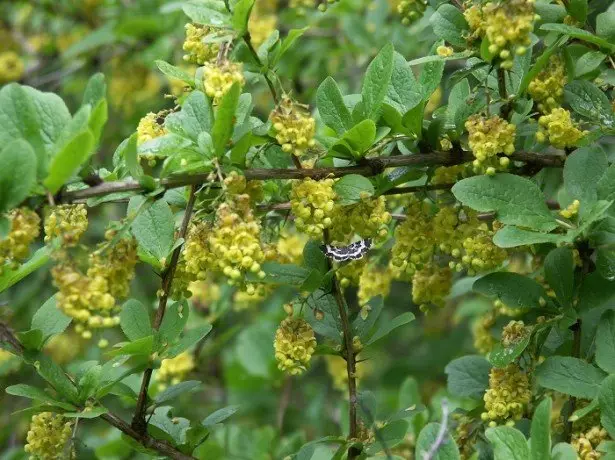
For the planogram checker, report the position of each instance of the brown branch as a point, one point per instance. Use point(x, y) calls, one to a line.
point(368, 167)
point(138, 421)
point(351, 364)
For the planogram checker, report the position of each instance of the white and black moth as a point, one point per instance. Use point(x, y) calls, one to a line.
point(353, 251)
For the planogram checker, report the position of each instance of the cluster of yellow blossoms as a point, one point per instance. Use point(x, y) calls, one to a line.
point(11, 67)
point(373, 282)
point(261, 24)
point(559, 129)
point(312, 203)
point(513, 332)
point(508, 395)
point(489, 136)
point(431, 285)
point(481, 332)
point(336, 367)
point(477, 253)
point(294, 127)
point(506, 24)
point(150, 128)
point(232, 246)
point(586, 443)
point(547, 88)
point(294, 345)
point(48, 436)
point(130, 85)
point(174, 370)
point(67, 222)
point(368, 218)
point(90, 298)
point(218, 77)
point(288, 248)
point(198, 51)
point(16, 246)
point(411, 10)
point(571, 210)
point(350, 273)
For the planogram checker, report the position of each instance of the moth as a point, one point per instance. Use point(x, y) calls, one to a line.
point(353, 251)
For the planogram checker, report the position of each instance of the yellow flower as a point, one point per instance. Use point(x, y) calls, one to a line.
point(48, 436)
point(508, 395)
point(16, 246)
point(430, 286)
point(513, 332)
point(368, 218)
point(261, 26)
point(312, 203)
point(489, 136)
point(481, 332)
point(67, 222)
point(150, 127)
point(11, 66)
point(198, 51)
point(572, 210)
point(219, 77)
point(372, 283)
point(444, 51)
point(294, 345)
point(547, 88)
point(294, 127)
point(174, 370)
point(559, 129)
point(586, 443)
point(336, 366)
point(411, 10)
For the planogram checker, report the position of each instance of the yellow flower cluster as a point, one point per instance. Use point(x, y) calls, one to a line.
point(444, 51)
point(478, 253)
point(547, 88)
point(261, 25)
point(288, 249)
point(513, 332)
point(336, 366)
point(506, 24)
point(586, 443)
point(481, 332)
point(430, 286)
point(411, 10)
point(174, 370)
point(219, 77)
point(232, 246)
point(312, 203)
point(489, 136)
point(197, 50)
point(63, 348)
point(90, 299)
point(67, 222)
point(464, 436)
point(150, 128)
point(294, 127)
point(414, 243)
point(294, 345)
point(182, 280)
point(450, 174)
point(508, 395)
point(11, 67)
point(571, 210)
point(559, 129)
point(16, 246)
point(242, 300)
point(237, 184)
point(131, 85)
point(350, 273)
point(48, 436)
point(373, 282)
point(368, 218)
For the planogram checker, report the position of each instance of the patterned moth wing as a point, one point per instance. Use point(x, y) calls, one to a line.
point(353, 251)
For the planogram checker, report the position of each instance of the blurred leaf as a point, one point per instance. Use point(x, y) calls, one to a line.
point(448, 450)
point(87, 413)
point(605, 342)
point(10, 277)
point(588, 63)
point(276, 273)
point(241, 14)
point(174, 391)
point(587, 100)
point(143, 346)
point(582, 172)
point(350, 188)
point(50, 320)
point(208, 12)
point(605, 25)
point(388, 327)
point(36, 394)
point(175, 428)
point(511, 237)
point(194, 118)
point(514, 290)
point(606, 398)
point(190, 338)
point(559, 273)
point(102, 36)
point(578, 33)
point(468, 376)
point(95, 91)
point(219, 416)
point(540, 447)
point(577, 9)
point(287, 43)
point(389, 436)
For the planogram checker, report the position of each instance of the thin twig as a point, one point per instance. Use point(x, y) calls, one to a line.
point(284, 402)
point(248, 40)
point(429, 455)
point(139, 424)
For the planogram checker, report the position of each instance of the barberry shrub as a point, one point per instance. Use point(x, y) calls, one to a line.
point(349, 230)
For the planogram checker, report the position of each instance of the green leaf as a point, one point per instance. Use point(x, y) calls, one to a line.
point(577, 9)
point(351, 188)
point(36, 394)
point(175, 429)
point(589, 101)
point(289, 274)
point(17, 173)
point(404, 92)
point(331, 107)
point(448, 450)
point(582, 172)
point(225, 119)
point(540, 64)
point(134, 320)
point(241, 14)
point(25, 114)
point(588, 63)
point(190, 338)
point(513, 289)
point(128, 150)
point(143, 346)
point(595, 292)
point(578, 33)
point(50, 320)
point(10, 277)
point(287, 43)
point(98, 119)
point(154, 229)
point(89, 383)
point(449, 24)
point(208, 12)
point(559, 273)
point(358, 139)
point(376, 82)
point(605, 342)
point(606, 399)
point(314, 258)
point(468, 376)
point(571, 376)
point(393, 433)
point(389, 326)
point(508, 443)
point(95, 90)
point(69, 159)
point(174, 391)
point(501, 356)
point(605, 263)
point(87, 413)
point(516, 200)
point(219, 416)
point(173, 322)
point(605, 25)
point(540, 446)
point(55, 376)
point(512, 237)
point(431, 76)
point(606, 185)
point(563, 451)
point(175, 72)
